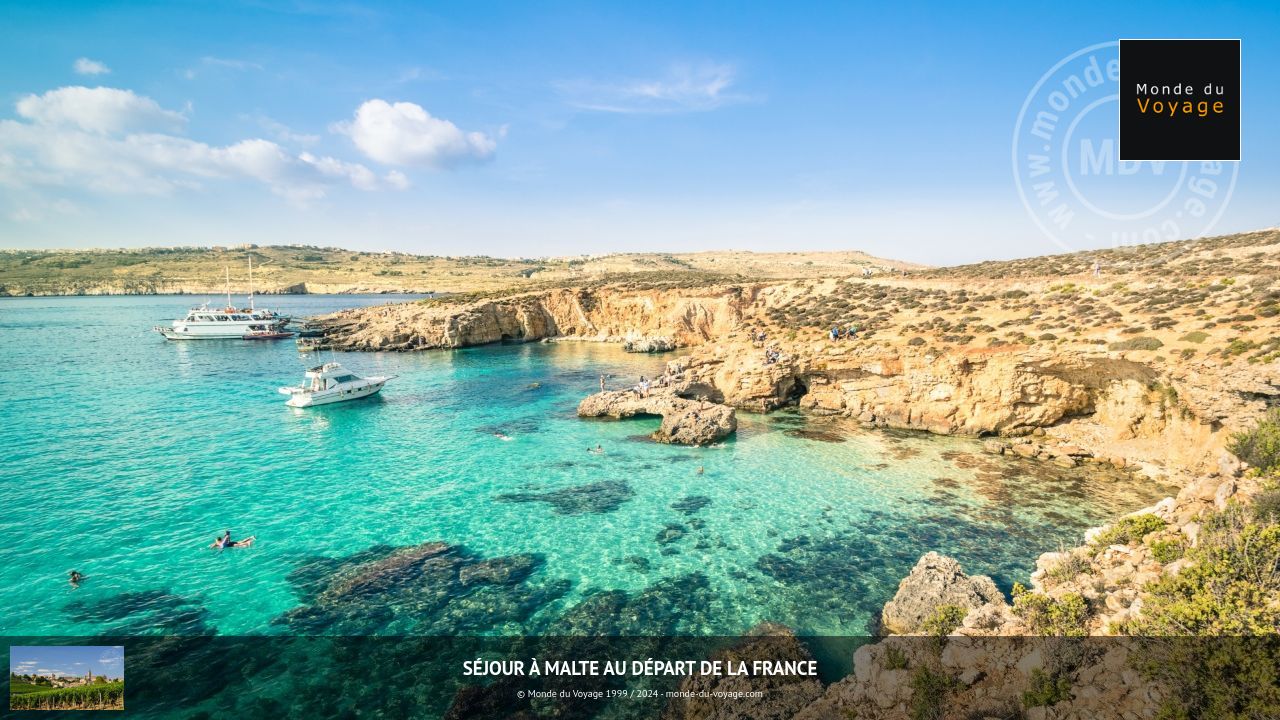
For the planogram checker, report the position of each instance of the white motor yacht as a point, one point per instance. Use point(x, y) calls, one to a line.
point(205, 323)
point(331, 383)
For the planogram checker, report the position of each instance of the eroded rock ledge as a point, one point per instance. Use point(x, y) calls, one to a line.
point(684, 421)
point(660, 319)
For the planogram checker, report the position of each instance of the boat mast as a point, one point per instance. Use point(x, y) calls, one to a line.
point(250, 282)
point(228, 269)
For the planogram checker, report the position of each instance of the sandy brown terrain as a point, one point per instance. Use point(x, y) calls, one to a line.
point(298, 269)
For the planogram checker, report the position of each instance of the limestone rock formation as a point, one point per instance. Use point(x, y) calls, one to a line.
point(936, 580)
point(667, 316)
point(684, 421)
point(658, 344)
point(783, 695)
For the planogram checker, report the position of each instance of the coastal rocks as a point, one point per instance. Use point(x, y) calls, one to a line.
point(649, 345)
point(684, 422)
point(700, 696)
point(936, 580)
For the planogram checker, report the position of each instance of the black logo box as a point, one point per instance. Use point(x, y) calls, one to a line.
point(1186, 68)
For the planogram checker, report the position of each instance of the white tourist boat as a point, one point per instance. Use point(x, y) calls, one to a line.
point(331, 383)
point(205, 323)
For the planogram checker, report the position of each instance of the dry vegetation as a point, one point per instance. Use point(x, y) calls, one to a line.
point(319, 270)
point(1214, 298)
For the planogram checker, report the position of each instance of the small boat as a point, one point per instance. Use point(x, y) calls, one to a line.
point(267, 335)
point(309, 344)
point(331, 383)
point(307, 332)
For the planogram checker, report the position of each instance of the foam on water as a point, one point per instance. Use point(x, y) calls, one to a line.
point(126, 454)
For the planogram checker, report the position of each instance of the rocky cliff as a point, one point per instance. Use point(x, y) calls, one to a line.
point(680, 316)
point(1077, 404)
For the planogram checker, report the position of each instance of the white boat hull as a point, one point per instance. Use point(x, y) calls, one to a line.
point(302, 399)
point(234, 331)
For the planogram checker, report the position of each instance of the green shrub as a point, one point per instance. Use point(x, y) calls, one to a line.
point(1045, 689)
point(1138, 343)
point(1068, 568)
point(1229, 585)
point(1129, 530)
point(1166, 551)
point(929, 693)
point(1266, 506)
point(1195, 336)
point(1260, 447)
point(894, 659)
point(944, 620)
point(1065, 616)
point(1227, 592)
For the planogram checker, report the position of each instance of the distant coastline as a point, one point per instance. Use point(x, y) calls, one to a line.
point(296, 270)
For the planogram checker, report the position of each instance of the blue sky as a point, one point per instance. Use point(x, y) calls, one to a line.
point(522, 129)
point(74, 660)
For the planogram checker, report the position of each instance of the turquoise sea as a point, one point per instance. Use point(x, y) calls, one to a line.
point(124, 455)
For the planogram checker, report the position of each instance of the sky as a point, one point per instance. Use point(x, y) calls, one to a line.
point(68, 660)
point(539, 129)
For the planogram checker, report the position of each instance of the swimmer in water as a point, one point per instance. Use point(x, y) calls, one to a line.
point(225, 542)
point(75, 577)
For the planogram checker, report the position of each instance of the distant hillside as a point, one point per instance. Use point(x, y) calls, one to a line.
point(303, 269)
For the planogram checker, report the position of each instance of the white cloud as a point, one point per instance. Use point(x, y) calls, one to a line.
point(85, 66)
point(406, 134)
point(106, 140)
point(208, 62)
point(397, 180)
point(284, 133)
point(98, 110)
point(684, 88)
point(230, 63)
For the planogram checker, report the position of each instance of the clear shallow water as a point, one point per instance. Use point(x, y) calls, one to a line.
point(126, 454)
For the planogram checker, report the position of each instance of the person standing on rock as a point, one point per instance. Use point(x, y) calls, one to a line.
point(602, 383)
point(644, 386)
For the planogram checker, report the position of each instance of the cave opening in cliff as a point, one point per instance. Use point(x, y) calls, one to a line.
point(799, 388)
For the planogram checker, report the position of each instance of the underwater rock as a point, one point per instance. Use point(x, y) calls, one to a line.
point(402, 567)
point(596, 498)
point(936, 580)
point(500, 570)
point(819, 435)
point(146, 612)
point(671, 533)
point(672, 606)
point(433, 588)
point(690, 504)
